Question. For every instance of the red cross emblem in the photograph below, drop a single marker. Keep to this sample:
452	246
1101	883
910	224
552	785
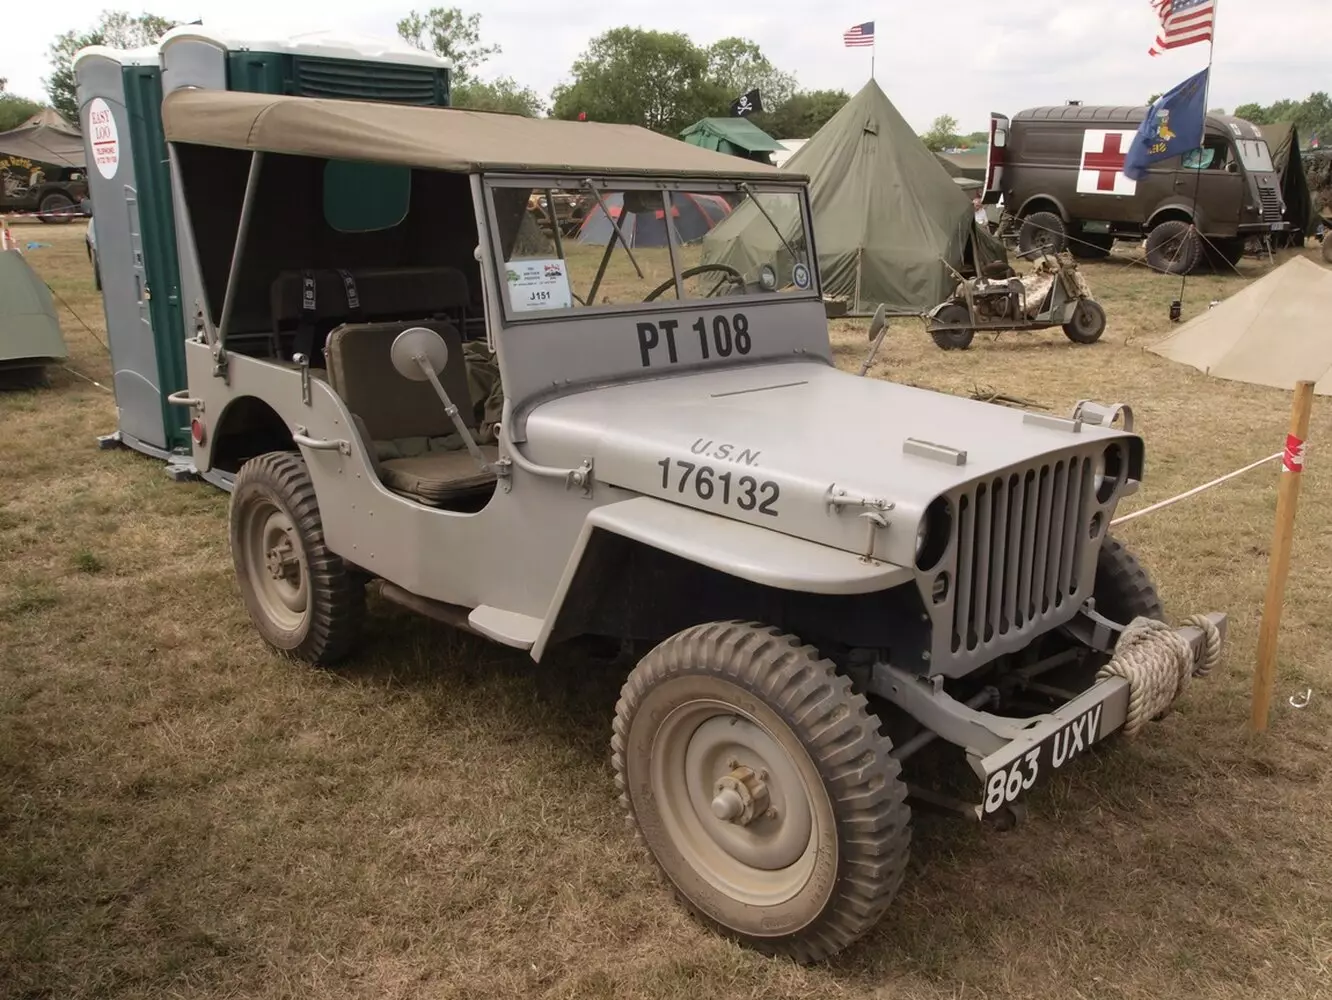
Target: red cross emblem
1108	162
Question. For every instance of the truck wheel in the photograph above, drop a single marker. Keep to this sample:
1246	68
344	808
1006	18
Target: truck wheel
1087	324
1043	229
1123	590
1091	246
953	340
1173	247
762	787
55	208
303	599
1224	254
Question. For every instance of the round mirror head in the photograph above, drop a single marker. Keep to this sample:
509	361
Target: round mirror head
418	342
768	277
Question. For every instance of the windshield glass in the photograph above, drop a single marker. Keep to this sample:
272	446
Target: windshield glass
578	247
1254	155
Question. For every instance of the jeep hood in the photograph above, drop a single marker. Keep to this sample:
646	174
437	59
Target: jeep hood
775	444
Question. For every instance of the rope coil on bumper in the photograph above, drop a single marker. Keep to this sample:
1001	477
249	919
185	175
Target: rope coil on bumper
1157	662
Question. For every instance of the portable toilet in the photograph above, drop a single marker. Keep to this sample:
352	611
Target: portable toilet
149	310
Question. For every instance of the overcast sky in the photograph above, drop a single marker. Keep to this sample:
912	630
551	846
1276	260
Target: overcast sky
964	57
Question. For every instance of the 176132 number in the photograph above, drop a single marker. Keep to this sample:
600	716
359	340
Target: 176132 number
746	492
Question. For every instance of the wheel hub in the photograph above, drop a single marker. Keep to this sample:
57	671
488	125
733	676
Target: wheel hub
281	560
741	796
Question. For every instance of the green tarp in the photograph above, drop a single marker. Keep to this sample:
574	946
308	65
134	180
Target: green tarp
735	136
29	330
885	212
1283	139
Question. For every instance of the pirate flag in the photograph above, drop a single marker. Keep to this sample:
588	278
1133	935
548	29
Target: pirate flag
747	104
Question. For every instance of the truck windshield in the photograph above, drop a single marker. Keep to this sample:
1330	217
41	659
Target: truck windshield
579	246
1253	153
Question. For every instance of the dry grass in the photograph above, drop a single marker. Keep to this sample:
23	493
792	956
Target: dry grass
184	814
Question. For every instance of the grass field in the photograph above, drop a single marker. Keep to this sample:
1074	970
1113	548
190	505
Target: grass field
183	814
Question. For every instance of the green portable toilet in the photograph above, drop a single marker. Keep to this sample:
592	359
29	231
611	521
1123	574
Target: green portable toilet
150	310
735	136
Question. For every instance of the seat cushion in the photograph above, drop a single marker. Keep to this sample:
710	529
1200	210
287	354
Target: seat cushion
436	478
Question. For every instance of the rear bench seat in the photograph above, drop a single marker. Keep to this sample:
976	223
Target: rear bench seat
412	442
377	295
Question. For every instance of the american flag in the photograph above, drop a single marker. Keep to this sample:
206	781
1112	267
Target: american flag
1183	22
861	34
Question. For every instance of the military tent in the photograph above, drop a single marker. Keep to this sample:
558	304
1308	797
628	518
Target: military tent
885	212
1283	140
1273	332
30	334
735	136
45	138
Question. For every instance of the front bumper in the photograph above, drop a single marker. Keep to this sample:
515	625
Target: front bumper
1254	228
1011	756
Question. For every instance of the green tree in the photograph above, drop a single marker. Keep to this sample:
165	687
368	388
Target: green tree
802	114
737	65
15	110
451	35
115	28
942	133
503	94
656	79
1312	116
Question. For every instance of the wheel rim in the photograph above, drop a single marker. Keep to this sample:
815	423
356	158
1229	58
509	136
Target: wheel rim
1084	319
275	565
740	808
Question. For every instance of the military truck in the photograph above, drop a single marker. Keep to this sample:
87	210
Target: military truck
1060	173
426	397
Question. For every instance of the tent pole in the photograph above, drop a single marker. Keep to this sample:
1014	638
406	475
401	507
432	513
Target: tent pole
860	256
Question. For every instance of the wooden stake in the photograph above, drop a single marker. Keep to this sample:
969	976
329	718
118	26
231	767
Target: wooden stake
1288	494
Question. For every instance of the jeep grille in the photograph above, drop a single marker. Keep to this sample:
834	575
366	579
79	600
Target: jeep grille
1020	544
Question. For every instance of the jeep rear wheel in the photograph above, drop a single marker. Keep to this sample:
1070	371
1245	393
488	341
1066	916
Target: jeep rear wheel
57	208
762	787
303	599
1042	229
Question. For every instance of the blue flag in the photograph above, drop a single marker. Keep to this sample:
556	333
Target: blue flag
1174	125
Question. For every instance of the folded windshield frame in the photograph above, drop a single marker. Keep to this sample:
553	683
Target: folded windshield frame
598	185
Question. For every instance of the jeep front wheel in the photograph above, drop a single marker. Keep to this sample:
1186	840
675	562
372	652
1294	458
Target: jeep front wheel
303	599
762	787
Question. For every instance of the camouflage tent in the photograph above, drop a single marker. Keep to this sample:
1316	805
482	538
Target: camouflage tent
885	212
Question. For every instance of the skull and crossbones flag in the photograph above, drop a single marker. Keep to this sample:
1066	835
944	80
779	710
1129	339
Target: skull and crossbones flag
747	104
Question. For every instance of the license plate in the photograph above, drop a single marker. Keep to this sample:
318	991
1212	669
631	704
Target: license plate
1004	784
1278	226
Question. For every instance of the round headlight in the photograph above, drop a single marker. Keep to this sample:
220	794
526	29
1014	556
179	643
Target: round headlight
934	533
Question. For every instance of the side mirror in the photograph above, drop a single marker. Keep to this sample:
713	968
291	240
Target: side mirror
1232	167
879	321
414	345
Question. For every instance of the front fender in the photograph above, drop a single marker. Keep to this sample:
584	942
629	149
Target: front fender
745	551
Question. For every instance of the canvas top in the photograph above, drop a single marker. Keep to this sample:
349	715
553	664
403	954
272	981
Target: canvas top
440	138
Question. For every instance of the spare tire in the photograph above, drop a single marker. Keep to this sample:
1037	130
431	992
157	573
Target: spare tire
1173	247
1042	229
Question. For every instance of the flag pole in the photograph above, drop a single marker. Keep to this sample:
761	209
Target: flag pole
1202	139
874	45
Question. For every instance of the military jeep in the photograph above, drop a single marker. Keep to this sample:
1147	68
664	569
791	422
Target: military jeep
422	393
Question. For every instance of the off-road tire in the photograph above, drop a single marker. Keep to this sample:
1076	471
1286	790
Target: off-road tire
1042	227
1087	324
1123	588
325	631
55	209
1173	247
953	340
1091	246
756	675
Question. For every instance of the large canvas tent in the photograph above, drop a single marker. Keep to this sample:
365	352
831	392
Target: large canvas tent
45	138
885	212
1283	139
1274	332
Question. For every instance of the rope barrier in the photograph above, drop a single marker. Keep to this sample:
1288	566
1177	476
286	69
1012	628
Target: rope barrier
1196	490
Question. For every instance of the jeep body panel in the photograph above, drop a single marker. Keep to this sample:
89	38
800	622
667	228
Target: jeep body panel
1070	158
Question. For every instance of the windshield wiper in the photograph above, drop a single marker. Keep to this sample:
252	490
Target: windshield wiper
610	244
753	196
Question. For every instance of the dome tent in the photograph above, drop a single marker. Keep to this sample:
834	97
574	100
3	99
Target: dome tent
885	211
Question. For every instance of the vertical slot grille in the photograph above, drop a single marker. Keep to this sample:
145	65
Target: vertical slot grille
1020	543
1271	203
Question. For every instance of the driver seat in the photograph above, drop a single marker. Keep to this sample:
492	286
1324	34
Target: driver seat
411	441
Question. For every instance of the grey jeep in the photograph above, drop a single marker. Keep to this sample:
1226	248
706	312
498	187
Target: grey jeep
541	433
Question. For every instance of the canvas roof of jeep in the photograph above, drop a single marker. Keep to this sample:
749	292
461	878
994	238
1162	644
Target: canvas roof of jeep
441	138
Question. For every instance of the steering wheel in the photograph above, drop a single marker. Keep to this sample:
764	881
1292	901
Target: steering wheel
732	276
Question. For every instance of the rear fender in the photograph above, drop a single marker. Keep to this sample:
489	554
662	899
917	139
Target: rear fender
743	551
